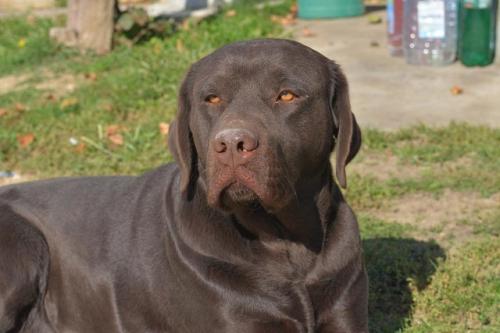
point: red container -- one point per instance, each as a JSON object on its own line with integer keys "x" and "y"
{"x": 395, "y": 27}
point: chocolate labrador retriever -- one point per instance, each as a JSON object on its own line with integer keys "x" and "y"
{"x": 247, "y": 232}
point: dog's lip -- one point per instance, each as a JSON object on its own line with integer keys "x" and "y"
{"x": 229, "y": 178}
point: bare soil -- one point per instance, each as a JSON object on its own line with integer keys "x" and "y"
{"x": 59, "y": 85}
{"x": 450, "y": 217}
{"x": 383, "y": 167}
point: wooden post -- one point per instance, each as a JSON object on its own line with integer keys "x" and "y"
{"x": 89, "y": 25}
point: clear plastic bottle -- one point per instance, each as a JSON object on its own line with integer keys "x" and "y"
{"x": 430, "y": 32}
{"x": 395, "y": 27}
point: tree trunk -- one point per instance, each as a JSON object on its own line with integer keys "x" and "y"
{"x": 89, "y": 25}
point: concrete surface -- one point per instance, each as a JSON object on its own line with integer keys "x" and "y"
{"x": 387, "y": 93}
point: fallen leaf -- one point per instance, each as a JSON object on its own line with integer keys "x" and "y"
{"x": 179, "y": 45}
{"x": 91, "y": 76}
{"x": 21, "y": 43}
{"x": 112, "y": 130}
{"x": 374, "y": 43}
{"x": 286, "y": 21}
{"x": 51, "y": 97}
{"x": 116, "y": 139}
{"x": 231, "y": 13}
{"x": 456, "y": 90}
{"x": 3, "y": 112}
{"x": 20, "y": 107}
{"x": 306, "y": 32}
{"x": 374, "y": 19}
{"x": 164, "y": 127}
{"x": 25, "y": 140}
{"x": 69, "y": 102}
{"x": 80, "y": 147}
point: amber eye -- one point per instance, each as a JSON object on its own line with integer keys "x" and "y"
{"x": 287, "y": 96}
{"x": 213, "y": 99}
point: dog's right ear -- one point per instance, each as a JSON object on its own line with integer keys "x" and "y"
{"x": 181, "y": 144}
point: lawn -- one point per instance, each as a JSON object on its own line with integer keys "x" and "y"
{"x": 428, "y": 199}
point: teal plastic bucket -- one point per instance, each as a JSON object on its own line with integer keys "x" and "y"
{"x": 315, "y": 9}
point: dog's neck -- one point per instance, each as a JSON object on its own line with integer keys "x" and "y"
{"x": 303, "y": 220}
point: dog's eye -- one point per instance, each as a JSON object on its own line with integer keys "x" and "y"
{"x": 287, "y": 96}
{"x": 213, "y": 99}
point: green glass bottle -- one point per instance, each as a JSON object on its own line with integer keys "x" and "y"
{"x": 477, "y": 32}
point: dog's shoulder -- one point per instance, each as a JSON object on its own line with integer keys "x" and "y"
{"x": 88, "y": 193}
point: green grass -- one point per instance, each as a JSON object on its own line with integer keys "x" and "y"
{"x": 135, "y": 88}
{"x": 464, "y": 295}
{"x": 417, "y": 284}
{"x": 24, "y": 43}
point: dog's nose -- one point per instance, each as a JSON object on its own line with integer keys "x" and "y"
{"x": 235, "y": 145}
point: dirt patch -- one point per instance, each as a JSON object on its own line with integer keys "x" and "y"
{"x": 449, "y": 217}
{"x": 12, "y": 82}
{"x": 45, "y": 80}
{"x": 383, "y": 166}
{"x": 58, "y": 84}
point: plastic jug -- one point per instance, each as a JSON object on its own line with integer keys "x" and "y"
{"x": 430, "y": 32}
{"x": 477, "y": 32}
{"x": 395, "y": 27}
{"x": 312, "y": 9}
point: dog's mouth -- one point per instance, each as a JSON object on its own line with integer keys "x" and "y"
{"x": 242, "y": 188}
{"x": 234, "y": 188}
{"x": 238, "y": 195}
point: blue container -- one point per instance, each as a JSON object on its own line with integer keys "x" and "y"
{"x": 315, "y": 9}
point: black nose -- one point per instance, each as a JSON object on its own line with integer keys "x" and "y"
{"x": 235, "y": 145}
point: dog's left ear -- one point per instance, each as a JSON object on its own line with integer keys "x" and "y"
{"x": 181, "y": 144}
{"x": 347, "y": 133}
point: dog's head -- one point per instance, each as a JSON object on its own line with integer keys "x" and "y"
{"x": 257, "y": 122}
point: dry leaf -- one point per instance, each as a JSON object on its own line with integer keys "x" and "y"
{"x": 164, "y": 127}
{"x": 20, "y": 107}
{"x": 112, "y": 130}
{"x": 286, "y": 21}
{"x": 80, "y": 148}
{"x": 456, "y": 90}
{"x": 179, "y": 45}
{"x": 25, "y": 140}
{"x": 374, "y": 43}
{"x": 306, "y": 32}
{"x": 3, "y": 112}
{"x": 91, "y": 76}
{"x": 374, "y": 19}
{"x": 51, "y": 97}
{"x": 231, "y": 13}
{"x": 116, "y": 139}
{"x": 69, "y": 102}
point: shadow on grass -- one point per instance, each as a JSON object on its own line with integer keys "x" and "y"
{"x": 392, "y": 264}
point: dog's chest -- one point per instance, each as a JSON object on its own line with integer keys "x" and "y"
{"x": 271, "y": 296}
